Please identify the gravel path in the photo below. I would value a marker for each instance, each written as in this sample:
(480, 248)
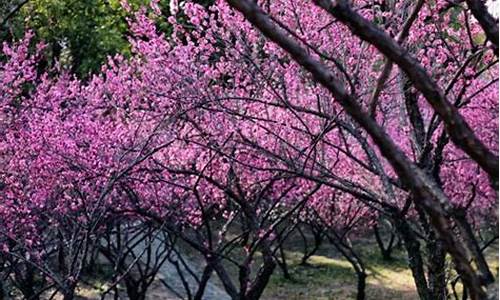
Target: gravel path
(169, 275)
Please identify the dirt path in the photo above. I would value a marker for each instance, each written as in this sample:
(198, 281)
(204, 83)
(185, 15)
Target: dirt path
(169, 276)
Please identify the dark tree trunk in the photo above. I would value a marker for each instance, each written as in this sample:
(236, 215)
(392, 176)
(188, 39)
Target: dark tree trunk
(69, 293)
(68, 296)
(436, 270)
(346, 249)
(2, 290)
(134, 289)
(262, 279)
(436, 273)
(283, 263)
(318, 240)
(415, 260)
(477, 254)
(361, 287)
(27, 283)
(385, 251)
(207, 272)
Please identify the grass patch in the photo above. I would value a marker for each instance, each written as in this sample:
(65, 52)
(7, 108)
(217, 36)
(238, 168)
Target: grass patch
(334, 278)
(330, 278)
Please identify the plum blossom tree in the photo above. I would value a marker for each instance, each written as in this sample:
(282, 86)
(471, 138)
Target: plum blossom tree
(421, 185)
(217, 136)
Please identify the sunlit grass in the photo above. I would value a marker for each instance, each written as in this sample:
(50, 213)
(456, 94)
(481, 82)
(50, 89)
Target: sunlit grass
(334, 278)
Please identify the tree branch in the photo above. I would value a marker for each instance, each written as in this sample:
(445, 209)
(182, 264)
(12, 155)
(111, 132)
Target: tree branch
(460, 132)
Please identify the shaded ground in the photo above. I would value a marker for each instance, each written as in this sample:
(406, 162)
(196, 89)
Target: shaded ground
(327, 277)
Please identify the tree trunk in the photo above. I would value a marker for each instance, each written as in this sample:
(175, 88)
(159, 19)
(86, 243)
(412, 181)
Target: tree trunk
(360, 295)
(134, 291)
(69, 294)
(283, 264)
(207, 272)
(27, 283)
(436, 270)
(2, 290)
(477, 254)
(415, 260)
(386, 252)
(346, 249)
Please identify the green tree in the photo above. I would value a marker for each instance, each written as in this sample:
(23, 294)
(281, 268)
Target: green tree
(80, 33)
